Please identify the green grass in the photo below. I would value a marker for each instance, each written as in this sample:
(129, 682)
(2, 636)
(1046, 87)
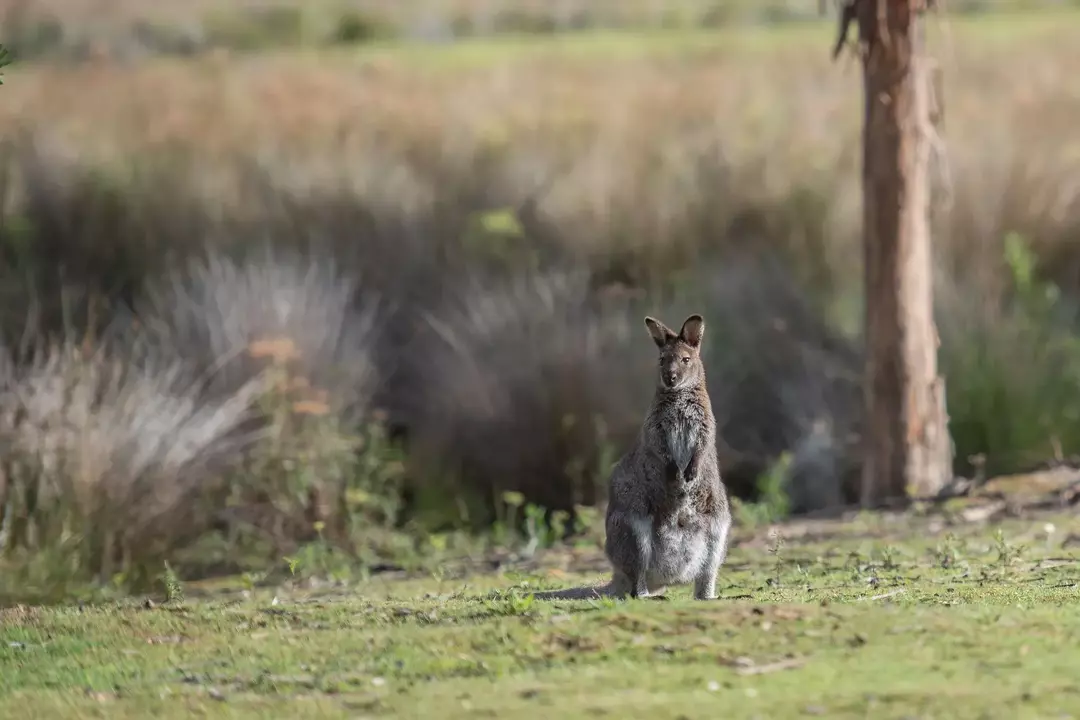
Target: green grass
(59, 26)
(621, 45)
(878, 617)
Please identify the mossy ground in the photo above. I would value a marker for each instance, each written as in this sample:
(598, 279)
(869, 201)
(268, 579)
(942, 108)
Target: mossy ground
(879, 616)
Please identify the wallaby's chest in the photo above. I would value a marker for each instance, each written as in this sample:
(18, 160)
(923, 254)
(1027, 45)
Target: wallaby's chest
(681, 430)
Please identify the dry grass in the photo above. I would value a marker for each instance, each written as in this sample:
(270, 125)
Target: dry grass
(582, 139)
(533, 359)
(232, 318)
(107, 465)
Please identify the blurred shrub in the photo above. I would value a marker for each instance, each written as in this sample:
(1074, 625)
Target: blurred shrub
(28, 34)
(258, 431)
(313, 335)
(51, 240)
(315, 476)
(257, 27)
(236, 317)
(523, 385)
(354, 26)
(1012, 368)
(156, 38)
(106, 465)
(780, 377)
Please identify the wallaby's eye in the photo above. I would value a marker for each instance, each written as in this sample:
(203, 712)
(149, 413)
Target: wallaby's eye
(686, 361)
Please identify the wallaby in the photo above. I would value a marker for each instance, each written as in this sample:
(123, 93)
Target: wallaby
(668, 516)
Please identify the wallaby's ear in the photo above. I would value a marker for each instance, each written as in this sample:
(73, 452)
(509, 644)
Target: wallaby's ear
(692, 331)
(661, 333)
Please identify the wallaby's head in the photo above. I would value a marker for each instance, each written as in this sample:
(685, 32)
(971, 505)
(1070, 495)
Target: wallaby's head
(680, 354)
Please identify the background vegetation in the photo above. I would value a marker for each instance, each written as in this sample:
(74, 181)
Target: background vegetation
(305, 283)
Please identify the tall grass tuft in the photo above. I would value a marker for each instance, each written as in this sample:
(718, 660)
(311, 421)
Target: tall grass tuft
(105, 465)
(523, 385)
(313, 336)
(274, 307)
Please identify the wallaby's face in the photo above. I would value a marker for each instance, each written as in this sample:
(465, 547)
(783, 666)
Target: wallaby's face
(680, 354)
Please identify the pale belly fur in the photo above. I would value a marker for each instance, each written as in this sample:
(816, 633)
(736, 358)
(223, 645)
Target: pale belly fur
(677, 554)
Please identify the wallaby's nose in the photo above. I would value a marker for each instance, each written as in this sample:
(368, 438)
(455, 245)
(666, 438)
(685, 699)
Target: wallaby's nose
(669, 378)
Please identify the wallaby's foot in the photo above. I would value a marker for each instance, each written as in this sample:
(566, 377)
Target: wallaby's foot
(629, 548)
(641, 588)
(656, 593)
(705, 584)
(703, 592)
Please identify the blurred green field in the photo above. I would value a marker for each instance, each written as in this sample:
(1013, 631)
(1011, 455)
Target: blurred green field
(77, 29)
(620, 45)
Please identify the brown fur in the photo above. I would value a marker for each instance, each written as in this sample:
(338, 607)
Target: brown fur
(668, 517)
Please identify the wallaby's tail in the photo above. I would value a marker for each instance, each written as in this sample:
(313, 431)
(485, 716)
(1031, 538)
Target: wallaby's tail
(578, 593)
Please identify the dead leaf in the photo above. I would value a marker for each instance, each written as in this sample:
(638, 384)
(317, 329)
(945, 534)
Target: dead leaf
(982, 513)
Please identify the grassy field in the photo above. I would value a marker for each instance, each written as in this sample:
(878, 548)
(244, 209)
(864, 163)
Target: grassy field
(878, 616)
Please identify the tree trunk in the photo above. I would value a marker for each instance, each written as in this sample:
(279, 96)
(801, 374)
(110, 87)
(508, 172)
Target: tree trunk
(907, 449)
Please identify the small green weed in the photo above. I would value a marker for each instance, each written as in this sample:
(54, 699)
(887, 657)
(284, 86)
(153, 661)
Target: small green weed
(947, 552)
(888, 558)
(510, 603)
(174, 590)
(5, 60)
(776, 546)
(1008, 554)
(773, 504)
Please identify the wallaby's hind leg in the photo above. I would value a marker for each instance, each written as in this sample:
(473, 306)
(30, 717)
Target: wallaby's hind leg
(629, 548)
(621, 584)
(705, 582)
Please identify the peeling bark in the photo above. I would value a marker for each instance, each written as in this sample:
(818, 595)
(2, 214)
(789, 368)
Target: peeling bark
(907, 449)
